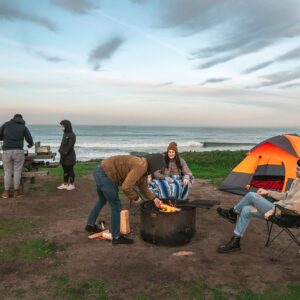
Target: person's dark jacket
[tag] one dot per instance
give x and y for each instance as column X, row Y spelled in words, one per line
column 13, row 132
column 66, row 150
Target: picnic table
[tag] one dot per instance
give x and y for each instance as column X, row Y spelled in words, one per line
column 34, row 161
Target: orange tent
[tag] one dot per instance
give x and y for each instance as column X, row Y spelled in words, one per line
column 270, row 165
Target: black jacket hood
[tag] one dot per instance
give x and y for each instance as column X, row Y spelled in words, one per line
column 18, row 120
column 67, row 125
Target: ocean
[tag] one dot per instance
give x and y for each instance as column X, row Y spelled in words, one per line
column 94, row 142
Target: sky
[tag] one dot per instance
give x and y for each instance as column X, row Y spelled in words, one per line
column 151, row 62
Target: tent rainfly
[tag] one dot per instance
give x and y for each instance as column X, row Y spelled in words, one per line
column 269, row 165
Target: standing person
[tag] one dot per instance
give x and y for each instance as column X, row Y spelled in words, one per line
column 13, row 133
column 175, row 180
column 125, row 171
column 254, row 205
column 67, row 155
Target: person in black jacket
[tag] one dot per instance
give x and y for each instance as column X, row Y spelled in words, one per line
column 12, row 133
column 67, row 155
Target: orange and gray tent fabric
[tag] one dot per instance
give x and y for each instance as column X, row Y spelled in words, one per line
column 270, row 165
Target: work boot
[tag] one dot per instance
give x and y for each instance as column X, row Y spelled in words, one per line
column 18, row 193
column 121, row 240
column 228, row 214
column 92, row 228
column 5, row 194
column 232, row 245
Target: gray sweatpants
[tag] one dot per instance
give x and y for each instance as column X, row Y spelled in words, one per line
column 13, row 161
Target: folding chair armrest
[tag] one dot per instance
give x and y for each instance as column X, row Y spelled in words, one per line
column 286, row 211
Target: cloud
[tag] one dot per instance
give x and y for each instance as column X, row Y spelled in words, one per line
column 10, row 13
column 76, row 6
column 258, row 67
column 245, row 27
column 215, row 80
column 290, row 55
column 291, row 85
column 104, row 51
column 280, row 77
column 44, row 55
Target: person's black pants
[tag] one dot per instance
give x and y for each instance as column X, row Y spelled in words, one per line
column 69, row 175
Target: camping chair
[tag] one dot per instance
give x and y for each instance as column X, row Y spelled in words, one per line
column 288, row 221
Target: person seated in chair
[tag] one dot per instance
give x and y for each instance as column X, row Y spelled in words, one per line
column 173, row 181
column 255, row 205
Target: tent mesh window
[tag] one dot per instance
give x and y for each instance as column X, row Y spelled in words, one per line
column 268, row 182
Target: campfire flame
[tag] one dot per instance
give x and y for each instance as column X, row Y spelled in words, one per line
column 168, row 208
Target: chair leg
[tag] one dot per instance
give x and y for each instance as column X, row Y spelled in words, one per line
column 269, row 229
column 270, row 241
column 293, row 236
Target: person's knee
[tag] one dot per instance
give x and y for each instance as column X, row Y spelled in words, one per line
column 247, row 211
column 251, row 194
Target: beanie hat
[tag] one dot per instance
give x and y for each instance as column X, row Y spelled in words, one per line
column 172, row 146
column 155, row 162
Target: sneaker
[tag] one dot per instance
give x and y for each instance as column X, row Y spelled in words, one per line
column 228, row 214
column 5, row 194
column 121, row 240
column 62, row 187
column 92, row 228
column 18, row 193
column 70, row 187
column 232, row 245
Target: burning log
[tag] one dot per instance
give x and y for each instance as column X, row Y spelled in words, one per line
column 168, row 208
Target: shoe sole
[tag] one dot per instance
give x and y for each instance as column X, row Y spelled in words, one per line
column 229, row 251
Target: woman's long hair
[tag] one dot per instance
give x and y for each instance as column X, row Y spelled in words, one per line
column 177, row 160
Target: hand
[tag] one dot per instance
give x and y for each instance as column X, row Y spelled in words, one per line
column 269, row 213
column 186, row 181
column 169, row 179
column 262, row 192
column 157, row 202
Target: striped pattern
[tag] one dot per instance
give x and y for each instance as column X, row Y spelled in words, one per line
column 162, row 189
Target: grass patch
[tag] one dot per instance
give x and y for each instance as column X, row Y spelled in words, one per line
column 199, row 290
column 47, row 188
column 67, row 289
column 20, row 294
column 213, row 165
column 14, row 226
column 141, row 296
column 29, row 251
column 80, row 169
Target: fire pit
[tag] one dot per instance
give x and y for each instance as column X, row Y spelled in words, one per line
column 167, row 228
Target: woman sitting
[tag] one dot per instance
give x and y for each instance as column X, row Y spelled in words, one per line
column 175, row 180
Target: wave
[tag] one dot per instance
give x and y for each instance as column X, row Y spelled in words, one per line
column 129, row 145
column 225, row 144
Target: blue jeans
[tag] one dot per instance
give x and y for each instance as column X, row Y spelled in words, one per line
column 107, row 192
column 245, row 209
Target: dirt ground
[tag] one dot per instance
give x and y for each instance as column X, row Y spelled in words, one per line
column 141, row 268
